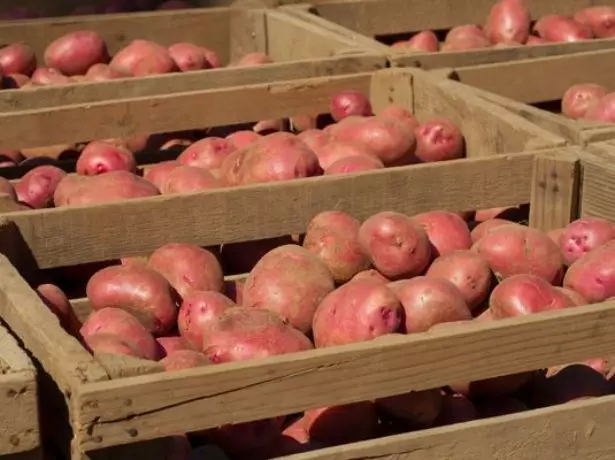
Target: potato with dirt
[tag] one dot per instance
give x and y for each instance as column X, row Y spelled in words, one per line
column 244, row 333
column 291, row 282
column 208, row 153
column 187, row 268
column 578, row 99
column 333, row 236
column 396, row 245
column 584, row 235
column 593, row 275
column 141, row 291
column 355, row 312
column 439, row 139
column 199, row 309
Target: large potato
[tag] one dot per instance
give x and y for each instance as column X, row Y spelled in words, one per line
column 75, row 52
column 593, row 275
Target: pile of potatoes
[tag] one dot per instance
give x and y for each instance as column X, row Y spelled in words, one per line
column 590, row 102
column 346, row 281
column 357, row 141
column 110, row 6
column 83, row 56
column 509, row 24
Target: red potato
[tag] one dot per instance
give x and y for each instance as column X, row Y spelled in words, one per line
column 158, row 173
column 401, row 114
column 230, row 172
column 141, row 291
column 417, row 409
column 121, row 324
column 576, row 298
column 44, row 76
column 336, row 425
column 242, row 333
column 466, row 44
column 371, row 274
column 355, row 312
column 198, row 311
column 593, row 275
column 333, row 236
column 446, row 231
column 439, row 140
column 75, row 52
column 141, row 58
column 189, row 179
column 396, row 245
column 354, row 164
column 386, row 138
column 17, row 58
column 252, row 59
column 168, row 345
column 188, row 268
column 314, row 139
column 241, row 139
column 208, row 153
column 349, row 103
column 425, row 41
column 187, row 57
column 333, row 151
column 291, row 282
column 508, row 22
column 184, row 359
column 430, row 301
column 584, row 235
column 99, row 157
column 58, row 303
column 525, row 294
column 514, row 249
column 578, row 99
column 75, row 190
column 486, row 226
column 599, row 19
column 557, row 28
column 102, row 72
column 467, row 271
column 456, row 408
column 534, row 40
column 464, row 31
column 37, row 187
column 603, row 110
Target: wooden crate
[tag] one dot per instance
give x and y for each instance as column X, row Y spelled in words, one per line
column 525, row 87
column 111, row 406
column 362, row 20
column 300, row 50
column 19, row 422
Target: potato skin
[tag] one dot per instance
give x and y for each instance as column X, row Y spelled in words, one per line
column 17, row 58
column 184, row 359
column 74, row 53
column 584, row 235
column 593, row 275
column 578, row 99
column 142, row 291
column 509, row 22
column 37, row 187
column 446, row 231
column 198, row 311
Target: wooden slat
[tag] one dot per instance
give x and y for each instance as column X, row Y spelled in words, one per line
column 581, row 430
column 66, row 236
column 598, row 182
column 150, row 406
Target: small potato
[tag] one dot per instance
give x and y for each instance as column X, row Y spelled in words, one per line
column 416, row 409
column 593, row 275
column 171, row 344
column 336, row 425
column 121, row 324
column 102, row 72
column 557, row 28
column 17, row 58
column 396, row 245
column 599, row 19
column 158, row 173
column 583, row 235
column 75, row 52
column 37, row 187
column 142, row 58
column 333, row 236
column 141, row 291
column 184, row 359
column 354, row 164
column 252, row 59
column 425, row 41
column 242, row 333
column 291, row 282
column 187, row 57
column 198, row 311
column 430, row 301
column 208, row 153
column 371, row 274
column 513, row 249
column 508, row 22
column 99, row 157
column 446, row 231
column 356, row 312
column 187, row 267
column 44, row 76
column 189, row 179
column 349, row 103
column 241, row 139
column 333, row 151
column 439, row 140
column 468, row 271
column 525, row 294
column 58, row 303
column 579, row 98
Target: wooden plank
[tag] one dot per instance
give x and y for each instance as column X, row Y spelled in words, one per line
column 248, row 33
column 61, row 355
column 598, row 182
column 120, row 366
column 12, row 100
column 555, row 187
column 581, row 430
column 67, row 236
column 173, row 112
column 56, row 8
column 139, row 408
column 207, row 27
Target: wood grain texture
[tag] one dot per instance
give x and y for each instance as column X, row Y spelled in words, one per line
column 598, row 181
